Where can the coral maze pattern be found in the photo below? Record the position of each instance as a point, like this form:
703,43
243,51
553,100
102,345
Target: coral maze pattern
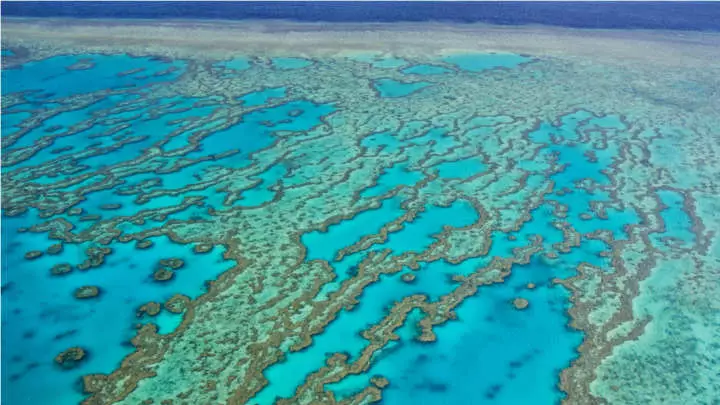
466,227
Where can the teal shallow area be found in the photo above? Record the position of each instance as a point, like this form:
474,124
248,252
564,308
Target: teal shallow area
254,133
235,64
290,63
426,70
380,61
460,169
485,61
678,224
384,140
11,121
262,97
261,193
392,178
391,88
342,336
53,78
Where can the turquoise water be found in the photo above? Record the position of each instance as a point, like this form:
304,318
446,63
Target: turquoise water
290,63
391,88
426,70
380,61
385,141
460,169
11,121
235,64
261,193
392,178
480,62
262,97
678,225
50,78
296,164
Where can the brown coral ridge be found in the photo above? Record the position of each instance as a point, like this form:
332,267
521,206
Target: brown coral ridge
202,248
82,64
163,274
379,381
33,254
55,249
520,303
177,304
96,257
150,309
71,357
173,263
144,244
86,292
61,269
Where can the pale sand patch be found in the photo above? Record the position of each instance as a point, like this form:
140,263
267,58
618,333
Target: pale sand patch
217,39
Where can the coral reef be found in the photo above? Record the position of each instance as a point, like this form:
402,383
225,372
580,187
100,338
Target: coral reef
173,263
60,269
520,303
349,225
151,309
71,357
163,274
33,254
86,292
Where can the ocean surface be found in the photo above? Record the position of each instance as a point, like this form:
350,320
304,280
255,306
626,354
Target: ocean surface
622,14
451,227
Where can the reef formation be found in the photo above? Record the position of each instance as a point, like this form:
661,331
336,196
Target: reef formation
354,226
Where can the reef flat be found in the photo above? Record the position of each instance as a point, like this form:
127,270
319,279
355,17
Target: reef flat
201,213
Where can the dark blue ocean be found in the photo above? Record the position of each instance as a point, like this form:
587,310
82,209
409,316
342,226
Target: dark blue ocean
632,15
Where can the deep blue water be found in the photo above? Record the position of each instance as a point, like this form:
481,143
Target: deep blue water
647,15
